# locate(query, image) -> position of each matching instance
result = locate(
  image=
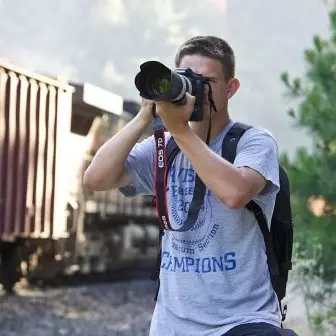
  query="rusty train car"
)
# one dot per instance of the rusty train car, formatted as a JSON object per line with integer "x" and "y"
{"x": 50, "y": 225}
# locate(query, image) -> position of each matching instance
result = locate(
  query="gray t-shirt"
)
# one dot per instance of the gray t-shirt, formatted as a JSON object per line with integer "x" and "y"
{"x": 214, "y": 276}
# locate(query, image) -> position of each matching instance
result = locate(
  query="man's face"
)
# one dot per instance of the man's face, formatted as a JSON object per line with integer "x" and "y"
{"x": 211, "y": 69}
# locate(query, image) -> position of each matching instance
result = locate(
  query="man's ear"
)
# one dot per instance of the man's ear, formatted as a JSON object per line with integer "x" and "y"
{"x": 233, "y": 87}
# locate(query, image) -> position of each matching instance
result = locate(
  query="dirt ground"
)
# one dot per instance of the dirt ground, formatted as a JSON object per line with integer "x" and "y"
{"x": 122, "y": 309}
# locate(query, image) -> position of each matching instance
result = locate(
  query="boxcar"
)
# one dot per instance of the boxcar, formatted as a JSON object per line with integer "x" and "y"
{"x": 50, "y": 225}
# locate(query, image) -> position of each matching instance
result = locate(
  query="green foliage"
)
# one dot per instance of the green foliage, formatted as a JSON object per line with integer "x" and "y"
{"x": 313, "y": 175}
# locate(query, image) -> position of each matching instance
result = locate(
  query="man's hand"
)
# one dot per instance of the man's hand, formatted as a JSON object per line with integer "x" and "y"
{"x": 145, "y": 114}
{"x": 174, "y": 117}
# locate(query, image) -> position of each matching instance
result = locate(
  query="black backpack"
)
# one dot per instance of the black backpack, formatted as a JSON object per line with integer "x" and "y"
{"x": 279, "y": 239}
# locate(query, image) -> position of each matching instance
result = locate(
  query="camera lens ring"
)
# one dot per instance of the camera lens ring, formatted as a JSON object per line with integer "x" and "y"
{"x": 186, "y": 87}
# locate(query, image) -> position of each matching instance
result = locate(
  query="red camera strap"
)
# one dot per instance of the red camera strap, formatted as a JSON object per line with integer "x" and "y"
{"x": 160, "y": 174}
{"x": 160, "y": 181}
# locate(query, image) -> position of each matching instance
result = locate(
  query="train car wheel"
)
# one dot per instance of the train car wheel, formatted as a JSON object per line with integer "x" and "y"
{"x": 10, "y": 266}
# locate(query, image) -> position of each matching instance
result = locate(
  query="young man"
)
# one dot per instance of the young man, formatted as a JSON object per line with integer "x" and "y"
{"x": 214, "y": 277}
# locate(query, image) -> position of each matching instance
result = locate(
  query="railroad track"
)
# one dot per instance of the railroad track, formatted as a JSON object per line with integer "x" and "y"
{"x": 124, "y": 274}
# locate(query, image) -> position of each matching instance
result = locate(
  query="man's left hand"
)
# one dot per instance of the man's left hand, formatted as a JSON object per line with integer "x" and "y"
{"x": 175, "y": 117}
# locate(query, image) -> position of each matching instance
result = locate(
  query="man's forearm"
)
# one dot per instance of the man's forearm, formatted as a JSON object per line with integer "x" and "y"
{"x": 107, "y": 166}
{"x": 223, "y": 179}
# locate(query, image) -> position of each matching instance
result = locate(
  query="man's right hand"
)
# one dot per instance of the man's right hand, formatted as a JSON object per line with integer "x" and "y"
{"x": 145, "y": 113}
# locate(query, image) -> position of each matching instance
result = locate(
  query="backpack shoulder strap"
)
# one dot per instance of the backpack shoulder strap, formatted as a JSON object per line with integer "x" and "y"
{"x": 229, "y": 151}
{"x": 231, "y": 139}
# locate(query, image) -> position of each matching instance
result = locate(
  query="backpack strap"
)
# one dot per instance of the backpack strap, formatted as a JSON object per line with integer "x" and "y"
{"x": 271, "y": 259}
{"x": 231, "y": 139}
{"x": 229, "y": 151}
{"x": 261, "y": 219}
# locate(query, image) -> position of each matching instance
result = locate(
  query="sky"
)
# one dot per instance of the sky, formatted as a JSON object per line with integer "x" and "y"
{"x": 104, "y": 42}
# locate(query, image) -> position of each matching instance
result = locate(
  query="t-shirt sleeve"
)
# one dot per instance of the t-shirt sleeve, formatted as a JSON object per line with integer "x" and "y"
{"x": 139, "y": 167}
{"x": 257, "y": 149}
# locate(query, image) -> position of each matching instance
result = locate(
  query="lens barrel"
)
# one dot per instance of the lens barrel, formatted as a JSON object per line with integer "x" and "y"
{"x": 157, "y": 82}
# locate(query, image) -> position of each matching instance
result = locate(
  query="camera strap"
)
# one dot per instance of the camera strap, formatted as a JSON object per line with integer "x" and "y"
{"x": 160, "y": 179}
{"x": 161, "y": 172}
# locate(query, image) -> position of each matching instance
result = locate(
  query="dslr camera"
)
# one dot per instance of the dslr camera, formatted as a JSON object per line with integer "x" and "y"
{"x": 157, "y": 82}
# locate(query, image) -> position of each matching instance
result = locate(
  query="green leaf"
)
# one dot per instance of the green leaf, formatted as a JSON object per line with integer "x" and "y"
{"x": 310, "y": 56}
{"x": 318, "y": 43}
{"x": 284, "y": 78}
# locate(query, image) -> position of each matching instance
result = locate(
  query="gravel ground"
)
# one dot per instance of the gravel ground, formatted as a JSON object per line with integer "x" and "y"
{"x": 121, "y": 309}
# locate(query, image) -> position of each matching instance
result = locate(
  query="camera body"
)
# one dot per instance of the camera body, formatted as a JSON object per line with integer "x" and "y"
{"x": 157, "y": 82}
{"x": 197, "y": 90}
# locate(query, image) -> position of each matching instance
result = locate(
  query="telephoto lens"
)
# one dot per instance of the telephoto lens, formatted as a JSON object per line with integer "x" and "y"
{"x": 157, "y": 82}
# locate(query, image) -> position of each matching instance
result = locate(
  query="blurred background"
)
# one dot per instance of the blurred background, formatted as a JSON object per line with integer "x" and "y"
{"x": 67, "y": 72}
